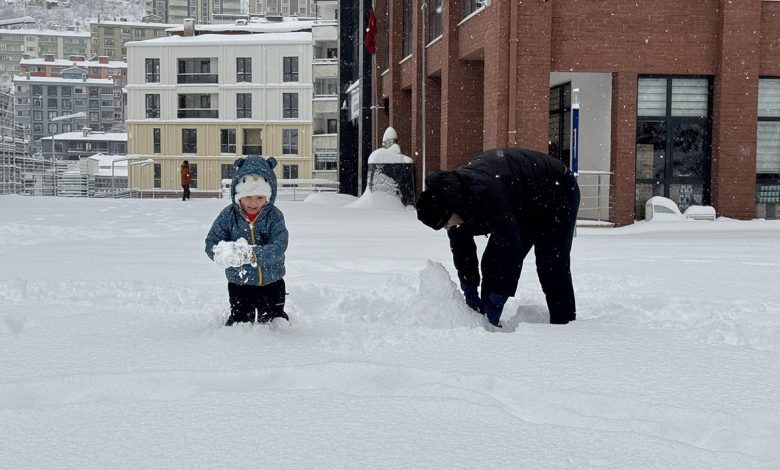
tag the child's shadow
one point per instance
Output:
(527, 314)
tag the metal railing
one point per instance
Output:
(594, 195)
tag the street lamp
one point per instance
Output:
(79, 115)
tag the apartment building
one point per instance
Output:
(48, 105)
(202, 11)
(300, 8)
(676, 99)
(325, 108)
(14, 43)
(98, 68)
(211, 98)
(108, 38)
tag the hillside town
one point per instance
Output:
(637, 104)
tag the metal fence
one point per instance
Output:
(594, 189)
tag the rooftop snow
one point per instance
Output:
(226, 39)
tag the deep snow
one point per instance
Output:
(113, 357)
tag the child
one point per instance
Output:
(255, 269)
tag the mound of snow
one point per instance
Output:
(377, 200)
(329, 199)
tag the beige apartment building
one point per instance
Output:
(108, 38)
(212, 98)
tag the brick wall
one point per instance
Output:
(493, 72)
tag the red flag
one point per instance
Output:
(371, 33)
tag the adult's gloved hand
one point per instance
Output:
(494, 305)
(472, 297)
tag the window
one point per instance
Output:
(152, 70)
(67, 104)
(52, 115)
(37, 115)
(673, 140)
(156, 140)
(94, 116)
(244, 69)
(289, 141)
(194, 174)
(244, 105)
(434, 20)
(153, 106)
(326, 161)
(253, 142)
(406, 38)
(189, 141)
(227, 140)
(228, 171)
(290, 69)
(51, 91)
(289, 105)
(289, 172)
(559, 132)
(326, 86)
(157, 175)
(768, 143)
(52, 128)
(333, 126)
(66, 127)
(469, 6)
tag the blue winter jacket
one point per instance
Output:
(268, 233)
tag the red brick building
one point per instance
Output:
(679, 98)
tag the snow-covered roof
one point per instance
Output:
(226, 39)
(91, 137)
(45, 32)
(258, 26)
(112, 64)
(105, 161)
(60, 80)
(134, 23)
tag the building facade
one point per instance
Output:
(202, 11)
(108, 38)
(325, 108)
(300, 8)
(99, 68)
(678, 99)
(50, 105)
(15, 43)
(212, 98)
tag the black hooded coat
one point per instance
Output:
(521, 199)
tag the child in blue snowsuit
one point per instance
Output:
(256, 282)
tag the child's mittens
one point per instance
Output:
(233, 254)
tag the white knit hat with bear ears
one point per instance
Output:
(252, 185)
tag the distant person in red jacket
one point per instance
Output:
(186, 180)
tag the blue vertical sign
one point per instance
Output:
(574, 152)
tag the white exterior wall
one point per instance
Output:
(267, 86)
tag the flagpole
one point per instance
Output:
(361, 52)
(424, 10)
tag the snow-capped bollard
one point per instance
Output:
(389, 171)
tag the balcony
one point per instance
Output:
(252, 150)
(197, 113)
(326, 104)
(197, 78)
(324, 143)
(325, 31)
(325, 68)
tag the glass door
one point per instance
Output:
(673, 145)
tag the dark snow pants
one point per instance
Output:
(256, 303)
(551, 241)
(186, 193)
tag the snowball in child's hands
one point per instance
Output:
(228, 254)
